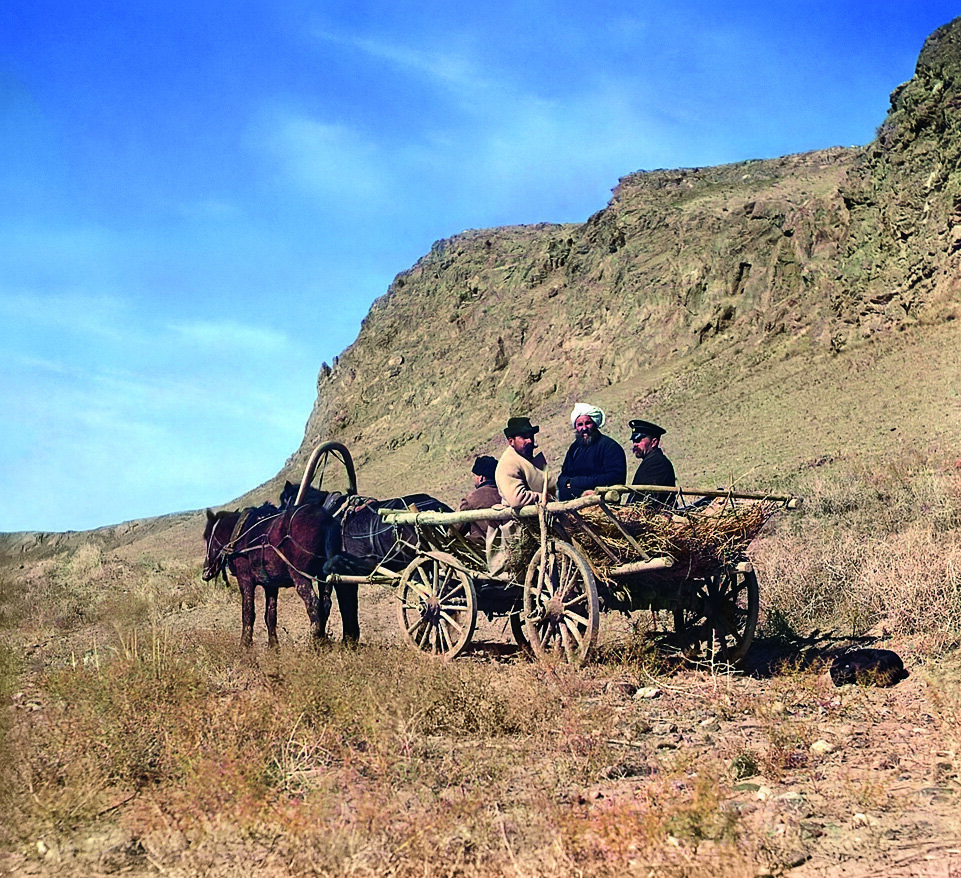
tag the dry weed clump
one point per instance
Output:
(698, 541)
(869, 547)
(339, 760)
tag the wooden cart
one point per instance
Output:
(577, 569)
(560, 564)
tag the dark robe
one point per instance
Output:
(655, 469)
(586, 467)
(484, 496)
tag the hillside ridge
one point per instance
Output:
(805, 257)
(767, 273)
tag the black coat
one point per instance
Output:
(603, 462)
(655, 469)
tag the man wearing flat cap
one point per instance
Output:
(521, 475)
(484, 496)
(593, 459)
(655, 468)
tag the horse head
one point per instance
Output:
(217, 533)
(288, 496)
(330, 500)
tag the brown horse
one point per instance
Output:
(279, 548)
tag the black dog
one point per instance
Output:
(868, 667)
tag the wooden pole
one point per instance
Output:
(505, 513)
(662, 563)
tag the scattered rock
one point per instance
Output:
(621, 687)
(744, 765)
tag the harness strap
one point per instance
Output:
(236, 532)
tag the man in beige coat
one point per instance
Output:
(520, 474)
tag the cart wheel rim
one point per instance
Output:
(719, 625)
(437, 608)
(561, 607)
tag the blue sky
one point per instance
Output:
(199, 201)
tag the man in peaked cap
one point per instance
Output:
(655, 468)
(484, 496)
(521, 475)
(593, 458)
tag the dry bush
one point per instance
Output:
(870, 546)
(341, 760)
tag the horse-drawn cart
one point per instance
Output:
(552, 568)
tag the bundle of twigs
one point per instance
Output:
(698, 540)
(521, 548)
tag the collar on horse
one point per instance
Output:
(228, 547)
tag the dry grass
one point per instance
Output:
(176, 750)
(697, 540)
(870, 549)
(451, 768)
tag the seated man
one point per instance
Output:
(520, 475)
(484, 496)
(593, 459)
(655, 468)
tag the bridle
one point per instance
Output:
(218, 563)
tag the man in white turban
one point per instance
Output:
(594, 459)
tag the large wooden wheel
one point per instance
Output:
(720, 622)
(438, 606)
(561, 609)
(517, 631)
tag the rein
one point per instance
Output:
(229, 549)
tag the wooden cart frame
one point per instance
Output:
(554, 604)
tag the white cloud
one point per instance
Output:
(228, 336)
(330, 159)
(448, 68)
(74, 312)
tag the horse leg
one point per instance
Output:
(347, 602)
(270, 615)
(318, 608)
(246, 586)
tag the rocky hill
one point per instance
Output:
(744, 300)
(769, 313)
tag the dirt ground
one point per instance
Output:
(876, 793)
(837, 782)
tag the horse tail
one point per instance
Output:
(344, 564)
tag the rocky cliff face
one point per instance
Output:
(806, 255)
(900, 262)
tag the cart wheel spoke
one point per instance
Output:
(449, 622)
(437, 606)
(578, 601)
(718, 622)
(561, 607)
(516, 621)
(576, 622)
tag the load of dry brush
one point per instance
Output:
(697, 540)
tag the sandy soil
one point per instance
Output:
(846, 782)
